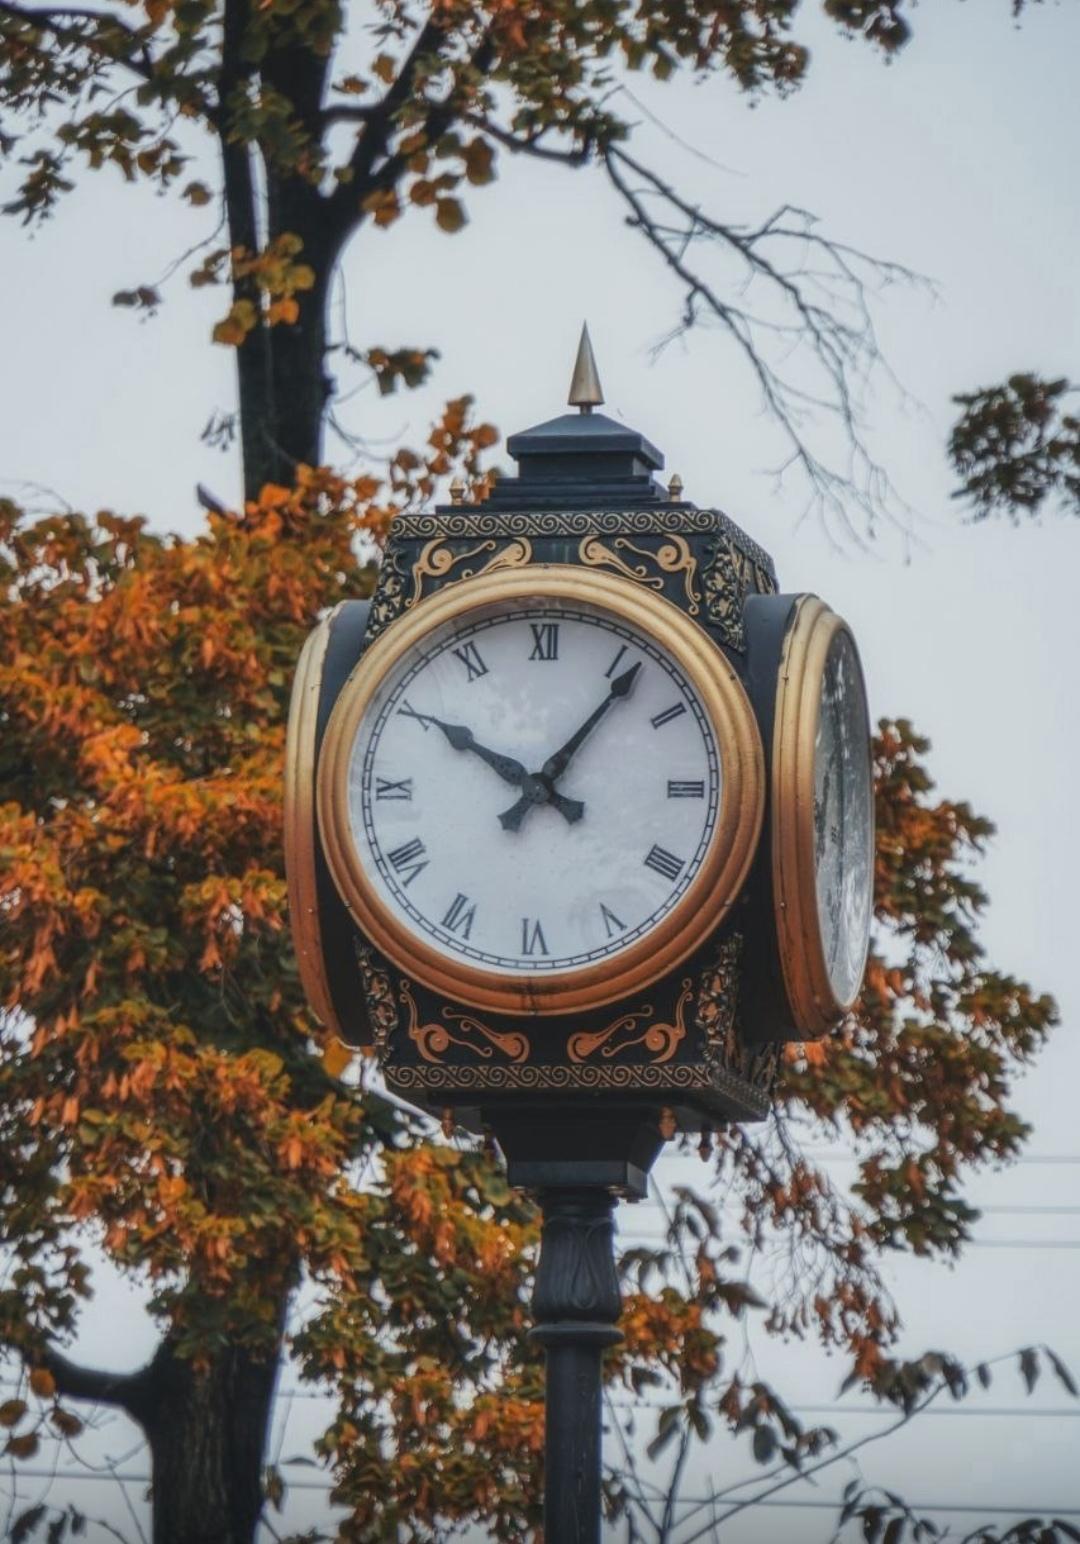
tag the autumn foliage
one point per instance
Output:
(166, 1096)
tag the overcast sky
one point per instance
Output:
(958, 160)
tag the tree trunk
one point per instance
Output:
(207, 1433)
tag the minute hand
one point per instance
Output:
(557, 764)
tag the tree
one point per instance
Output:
(1017, 448)
(163, 1088)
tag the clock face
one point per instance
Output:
(822, 809)
(843, 819)
(534, 788)
(540, 789)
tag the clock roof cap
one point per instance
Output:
(583, 434)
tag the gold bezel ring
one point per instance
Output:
(709, 895)
(815, 1006)
(300, 825)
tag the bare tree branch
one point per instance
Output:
(64, 24)
(816, 307)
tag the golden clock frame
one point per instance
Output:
(300, 825)
(712, 891)
(814, 1004)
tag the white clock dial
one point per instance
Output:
(843, 819)
(533, 787)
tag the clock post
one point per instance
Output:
(579, 831)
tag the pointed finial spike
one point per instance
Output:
(585, 390)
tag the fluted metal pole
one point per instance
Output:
(576, 1304)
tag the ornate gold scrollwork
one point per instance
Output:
(716, 1005)
(673, 556)
(435, 1039)
(726, 581)
(726, 1052)
(436, 561)
(382, 1009)
(660, 1040)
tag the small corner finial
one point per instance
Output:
(675, 488)
(457, 491)
(585, 390)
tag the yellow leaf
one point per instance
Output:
(43, 1383)
(336, 1057)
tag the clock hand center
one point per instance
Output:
(536, 789)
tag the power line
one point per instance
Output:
(1041, 1510)
(828, 1154)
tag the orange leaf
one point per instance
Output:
(42, 1382)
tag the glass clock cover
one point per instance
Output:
(535, 781)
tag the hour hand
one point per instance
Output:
(463, 739)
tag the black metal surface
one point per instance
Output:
(576, 1304)
(764, 1010)
(344, 648)
(579, 458)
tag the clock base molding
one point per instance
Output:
(683, 1050)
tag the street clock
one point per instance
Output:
(579, 809)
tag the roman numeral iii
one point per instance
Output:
(663, 862)
(677, 789)
(545, 636)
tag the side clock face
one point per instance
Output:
(823, 817)
(540, 790)
(843, 819)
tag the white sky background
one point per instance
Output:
(959, 160)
